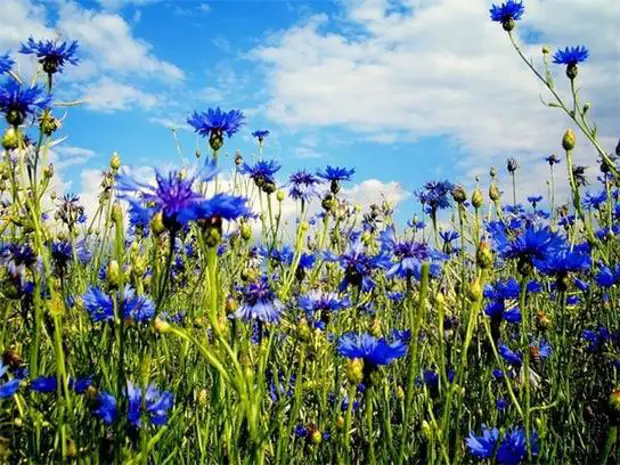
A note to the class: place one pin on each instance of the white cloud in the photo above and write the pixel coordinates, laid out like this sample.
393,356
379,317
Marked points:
109,95
69,155
440,68
109,39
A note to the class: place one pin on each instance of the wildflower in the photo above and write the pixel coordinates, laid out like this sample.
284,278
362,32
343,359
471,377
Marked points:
561,263
552,159
69,210
100,305
51,54
435,194
17,102
106,408
535,200
260,302
156,405
507,14
512,165
570,57
321,305
540,350
260,135
6,63
303,185
216,123
62,253
10,387
262,173
594,201
335,175
532,245
579,173
374,352
483,446
407,256
513,449
358,267
137,308
606,277
511,357
80,385
45,384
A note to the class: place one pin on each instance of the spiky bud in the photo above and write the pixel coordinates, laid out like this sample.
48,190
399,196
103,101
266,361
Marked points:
157,223
115,161
477,199
160,326
113,274
568,141
280,195
474,290
484,256
458,194
355,371
10,139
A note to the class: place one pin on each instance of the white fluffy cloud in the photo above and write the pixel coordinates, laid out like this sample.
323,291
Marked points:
441,68
109,95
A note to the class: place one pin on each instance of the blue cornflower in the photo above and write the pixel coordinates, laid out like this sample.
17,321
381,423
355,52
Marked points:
534,200
140,217
106,408
51,54
563,262
215,122
6,63
303,185
358,267
260,134
507,13
571,56
606,277
513,449
532,245
540,349
156,404
173,195
322,303
260,302
501,404
222,207
552,159
45,384
510,356
449,236
373,351
80,385
436,194
407,255
137,308
17,102
335,173
262,173
10,387
62,253
483,446
594,200
98,304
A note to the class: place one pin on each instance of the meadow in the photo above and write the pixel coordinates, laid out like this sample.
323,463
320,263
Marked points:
182,324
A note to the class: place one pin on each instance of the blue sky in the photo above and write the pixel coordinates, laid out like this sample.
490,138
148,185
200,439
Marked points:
404,91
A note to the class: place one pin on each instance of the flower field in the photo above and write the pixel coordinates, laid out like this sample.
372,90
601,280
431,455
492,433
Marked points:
179,324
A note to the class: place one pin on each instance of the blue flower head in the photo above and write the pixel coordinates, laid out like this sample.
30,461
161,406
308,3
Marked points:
552,159
571,56
260,135
513,448
335,175
436,195
483,446
303,185
10,387
18,102
215,123
6,63
52,54
373,351
507,13
106,408
156,405
262,173
260,303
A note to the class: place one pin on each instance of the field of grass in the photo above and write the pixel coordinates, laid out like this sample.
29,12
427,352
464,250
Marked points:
180,325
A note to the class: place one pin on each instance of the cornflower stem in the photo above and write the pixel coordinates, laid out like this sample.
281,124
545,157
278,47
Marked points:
416,319
577,197
549,84
166,275
514,189
347,424
552,192
370,395
472,318
525,323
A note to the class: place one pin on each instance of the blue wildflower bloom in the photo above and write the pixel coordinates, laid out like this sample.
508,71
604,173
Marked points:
373,351
80,385
44,384
358,267
260,134
606,277
483,446
335,173
563,262
216,123
571,56
17,102
510,356
173,195
137,308
10,387
140,217
106,408
534,200
507,11
449,236
51,54
322,303
222,207
260,303
62,253
498,374
407,255
501,404
303,185
262,173
436,194
594,201
532,245
552,159
6,63
156,405
513,448
98,304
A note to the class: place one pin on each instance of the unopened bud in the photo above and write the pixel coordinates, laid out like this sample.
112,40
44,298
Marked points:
10,139
484,256
400,394
246,231
115,161
614,400
117,213
339,423
113,274
474,291
458,194
476,198
157,223
546,50
280,195
355,371
303,330
160,326
568,141
316,437
494,193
